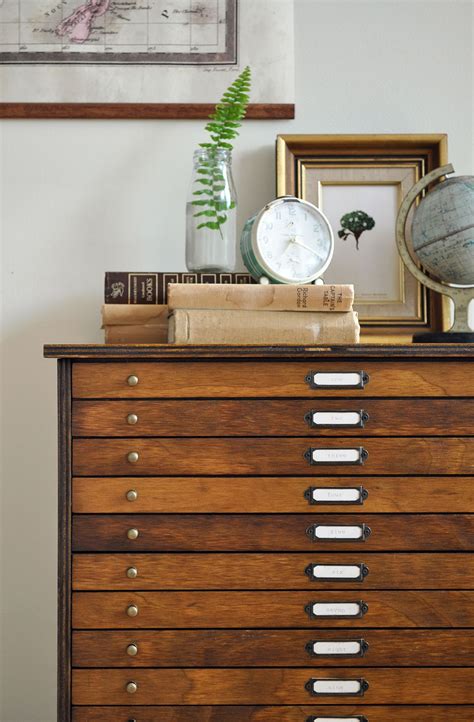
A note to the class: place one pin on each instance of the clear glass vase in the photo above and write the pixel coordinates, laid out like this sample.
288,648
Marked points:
211,220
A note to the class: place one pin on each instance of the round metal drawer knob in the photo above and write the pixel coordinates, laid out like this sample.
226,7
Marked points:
132,650
133,457
132,573
132,610
133,534
132,419
132,380
132,495
132,687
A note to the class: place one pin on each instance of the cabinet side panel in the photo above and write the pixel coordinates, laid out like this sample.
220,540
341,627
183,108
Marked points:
64,541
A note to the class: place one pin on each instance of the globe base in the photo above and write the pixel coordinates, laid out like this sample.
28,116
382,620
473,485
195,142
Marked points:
444,337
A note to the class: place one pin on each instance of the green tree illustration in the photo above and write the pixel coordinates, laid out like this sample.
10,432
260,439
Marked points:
223,127
354,224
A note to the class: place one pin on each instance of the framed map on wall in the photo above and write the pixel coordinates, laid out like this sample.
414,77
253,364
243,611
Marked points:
143,58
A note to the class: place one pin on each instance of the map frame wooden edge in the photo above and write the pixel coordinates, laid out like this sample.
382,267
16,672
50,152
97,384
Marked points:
136,111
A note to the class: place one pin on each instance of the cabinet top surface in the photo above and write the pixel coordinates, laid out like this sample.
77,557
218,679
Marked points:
168,351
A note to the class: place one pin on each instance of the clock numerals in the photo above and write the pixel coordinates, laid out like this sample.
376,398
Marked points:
268,226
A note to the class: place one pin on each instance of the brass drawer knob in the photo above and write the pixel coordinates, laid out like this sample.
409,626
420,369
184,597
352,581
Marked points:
133,534
132,380
132,573
132,650
132,419
133,457
132,610
132,495
132,687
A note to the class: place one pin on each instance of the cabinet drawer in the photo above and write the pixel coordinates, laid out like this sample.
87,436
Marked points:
313,713
273,571
194,610
277,494
205,379
264,417
266,648
108,457
269,686
272,532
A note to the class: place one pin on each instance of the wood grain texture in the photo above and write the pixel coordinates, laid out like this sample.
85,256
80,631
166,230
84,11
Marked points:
269,686
217,379
64,542
407,417
419,713
218,351
109,457
270,532
266,648
269,571
137,111
269,494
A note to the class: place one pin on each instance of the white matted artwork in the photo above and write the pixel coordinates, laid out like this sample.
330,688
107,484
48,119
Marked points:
361,204
156,52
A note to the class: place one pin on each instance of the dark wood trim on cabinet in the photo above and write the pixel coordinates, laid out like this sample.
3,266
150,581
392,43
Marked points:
64,541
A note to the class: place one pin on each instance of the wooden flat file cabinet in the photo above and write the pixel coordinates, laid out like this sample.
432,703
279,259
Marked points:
266,534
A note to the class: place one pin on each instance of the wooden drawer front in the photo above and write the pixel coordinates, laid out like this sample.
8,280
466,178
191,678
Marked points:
194,610
270,571
269,686
325,417
364,712
207,379
263,495
265,648
269,456
273,532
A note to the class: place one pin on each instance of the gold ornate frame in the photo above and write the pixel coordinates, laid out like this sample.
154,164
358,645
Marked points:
297,154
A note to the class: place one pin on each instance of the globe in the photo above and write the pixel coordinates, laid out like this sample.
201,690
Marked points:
443,231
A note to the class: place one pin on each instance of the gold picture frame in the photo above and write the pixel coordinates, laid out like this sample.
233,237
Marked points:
337,171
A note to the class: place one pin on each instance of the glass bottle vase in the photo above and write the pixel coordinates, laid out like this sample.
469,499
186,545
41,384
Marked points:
211,220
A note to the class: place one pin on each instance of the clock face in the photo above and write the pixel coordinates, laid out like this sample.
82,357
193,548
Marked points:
294,240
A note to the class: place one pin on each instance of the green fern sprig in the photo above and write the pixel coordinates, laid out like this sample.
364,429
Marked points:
223,128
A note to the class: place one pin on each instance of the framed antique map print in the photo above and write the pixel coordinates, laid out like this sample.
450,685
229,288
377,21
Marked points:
359,183
130,58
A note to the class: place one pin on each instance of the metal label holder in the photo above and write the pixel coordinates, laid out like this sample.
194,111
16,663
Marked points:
353,718
364,647
363,418
365,532
363,456
363,687
363,572
363,609
363,380
309,495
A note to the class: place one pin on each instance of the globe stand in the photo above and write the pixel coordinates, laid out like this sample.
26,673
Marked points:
460,331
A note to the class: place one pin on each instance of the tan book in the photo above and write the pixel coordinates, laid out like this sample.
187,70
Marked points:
188,326
271,297
136,334
125,315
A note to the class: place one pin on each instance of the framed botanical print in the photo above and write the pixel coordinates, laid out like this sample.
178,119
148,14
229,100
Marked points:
359,183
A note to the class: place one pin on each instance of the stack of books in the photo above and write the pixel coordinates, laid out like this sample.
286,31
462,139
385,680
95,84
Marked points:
190,308
262,314
135,308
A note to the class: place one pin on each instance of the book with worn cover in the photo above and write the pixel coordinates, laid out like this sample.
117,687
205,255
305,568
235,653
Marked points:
135,324
123,287
271,297
198,326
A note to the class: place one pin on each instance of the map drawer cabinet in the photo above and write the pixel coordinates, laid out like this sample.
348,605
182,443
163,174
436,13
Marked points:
252,534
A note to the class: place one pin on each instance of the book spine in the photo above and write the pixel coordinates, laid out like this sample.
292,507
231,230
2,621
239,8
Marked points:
152,288
197,326
303,298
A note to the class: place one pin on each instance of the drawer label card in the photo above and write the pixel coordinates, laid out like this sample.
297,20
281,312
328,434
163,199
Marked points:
355,687
337,572
337,609
355,455
342,532
337,418
337,379
337,648
336,495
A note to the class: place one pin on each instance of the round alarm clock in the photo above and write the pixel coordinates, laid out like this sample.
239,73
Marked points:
289,241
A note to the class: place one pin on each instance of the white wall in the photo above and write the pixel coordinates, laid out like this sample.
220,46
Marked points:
82,197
